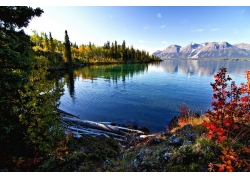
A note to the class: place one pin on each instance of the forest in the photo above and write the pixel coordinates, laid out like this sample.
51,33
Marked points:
67,53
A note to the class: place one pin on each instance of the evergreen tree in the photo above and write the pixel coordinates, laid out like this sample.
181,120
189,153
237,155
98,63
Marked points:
52,48
67,50
123,46
115,51
90,45
27,101
46,43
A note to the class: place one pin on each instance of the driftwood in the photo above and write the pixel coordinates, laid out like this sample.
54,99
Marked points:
78,127
94,131
90,124
100,126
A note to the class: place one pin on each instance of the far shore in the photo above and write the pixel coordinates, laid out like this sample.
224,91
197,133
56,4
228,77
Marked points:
234,59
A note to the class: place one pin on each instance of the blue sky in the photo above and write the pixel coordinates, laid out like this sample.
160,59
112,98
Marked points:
148,27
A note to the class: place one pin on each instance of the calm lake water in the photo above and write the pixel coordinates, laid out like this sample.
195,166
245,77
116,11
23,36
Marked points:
143,94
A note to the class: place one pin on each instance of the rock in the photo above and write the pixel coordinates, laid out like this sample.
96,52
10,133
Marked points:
191,136
144,129
135,163
107,162
167,155
186,143
154,141
141,155
172,137
187,127
176,142
173,123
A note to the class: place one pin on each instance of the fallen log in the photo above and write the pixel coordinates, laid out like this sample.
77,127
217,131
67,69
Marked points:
79,127
90,124
73,129
65,113
96,125
149,135
130,130
94,131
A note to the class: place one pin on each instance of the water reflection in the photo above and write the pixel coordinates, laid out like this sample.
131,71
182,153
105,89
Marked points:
70,82
111,72
204,67
142,94
114,72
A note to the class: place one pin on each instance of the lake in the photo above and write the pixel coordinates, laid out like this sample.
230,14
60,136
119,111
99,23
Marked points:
143,94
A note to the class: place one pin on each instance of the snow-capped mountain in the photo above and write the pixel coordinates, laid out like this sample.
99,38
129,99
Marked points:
242,46
206,50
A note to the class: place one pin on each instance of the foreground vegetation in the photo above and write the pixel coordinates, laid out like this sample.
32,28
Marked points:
32,138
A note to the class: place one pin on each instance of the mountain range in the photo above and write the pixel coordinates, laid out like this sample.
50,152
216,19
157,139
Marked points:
206,50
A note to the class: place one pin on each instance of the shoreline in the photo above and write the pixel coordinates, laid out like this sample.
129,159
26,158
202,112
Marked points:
64,67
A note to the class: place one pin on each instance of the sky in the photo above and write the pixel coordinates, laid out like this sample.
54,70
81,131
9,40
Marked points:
145,26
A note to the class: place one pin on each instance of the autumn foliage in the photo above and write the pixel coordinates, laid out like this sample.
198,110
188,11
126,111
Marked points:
229,122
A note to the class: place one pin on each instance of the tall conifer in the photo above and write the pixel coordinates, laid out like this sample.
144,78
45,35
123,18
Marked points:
52,48
67,51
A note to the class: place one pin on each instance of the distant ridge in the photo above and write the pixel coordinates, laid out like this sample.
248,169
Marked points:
206,50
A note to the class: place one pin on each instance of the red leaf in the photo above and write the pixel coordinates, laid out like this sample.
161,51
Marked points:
222,168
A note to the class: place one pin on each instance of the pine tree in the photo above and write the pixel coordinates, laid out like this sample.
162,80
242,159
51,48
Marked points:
52,48
115,51
67,50
46,42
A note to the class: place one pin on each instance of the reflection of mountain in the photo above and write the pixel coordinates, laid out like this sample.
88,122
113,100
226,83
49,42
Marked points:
204,67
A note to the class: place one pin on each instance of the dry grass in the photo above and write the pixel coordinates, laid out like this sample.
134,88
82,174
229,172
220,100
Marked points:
192,120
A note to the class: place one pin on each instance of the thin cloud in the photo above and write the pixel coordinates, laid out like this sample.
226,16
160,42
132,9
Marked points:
159,15
243,11
198,30
145,28
111,17
142,41
164,42
215,29
163,26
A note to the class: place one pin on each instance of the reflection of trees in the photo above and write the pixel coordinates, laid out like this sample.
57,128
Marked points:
66,77
69,80
111,72
108,72
203,67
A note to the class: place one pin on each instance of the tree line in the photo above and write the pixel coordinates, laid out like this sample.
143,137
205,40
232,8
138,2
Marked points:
59,52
